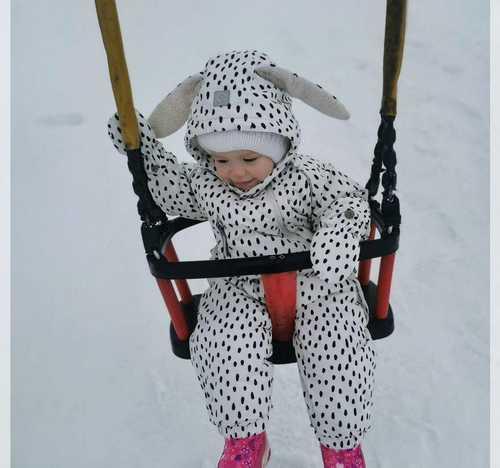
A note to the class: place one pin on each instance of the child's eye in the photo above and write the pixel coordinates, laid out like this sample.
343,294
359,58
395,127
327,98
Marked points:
249,159
220,161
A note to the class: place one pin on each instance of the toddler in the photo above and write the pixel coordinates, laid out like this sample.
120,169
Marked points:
262,197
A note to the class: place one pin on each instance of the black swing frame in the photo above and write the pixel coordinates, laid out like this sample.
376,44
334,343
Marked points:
157,237
157,231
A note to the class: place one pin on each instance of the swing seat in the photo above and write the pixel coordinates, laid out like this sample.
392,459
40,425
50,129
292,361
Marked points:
278,274
283,351
157,231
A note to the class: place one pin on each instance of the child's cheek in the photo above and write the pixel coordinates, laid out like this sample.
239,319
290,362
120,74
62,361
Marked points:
221,173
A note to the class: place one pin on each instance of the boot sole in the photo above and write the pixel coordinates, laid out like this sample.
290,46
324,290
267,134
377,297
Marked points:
266,457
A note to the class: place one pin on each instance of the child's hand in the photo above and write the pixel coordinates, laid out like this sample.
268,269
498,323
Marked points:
114,131
335,246
334,257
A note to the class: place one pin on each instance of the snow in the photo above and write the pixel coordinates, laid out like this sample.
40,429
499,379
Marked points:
5,284
94,382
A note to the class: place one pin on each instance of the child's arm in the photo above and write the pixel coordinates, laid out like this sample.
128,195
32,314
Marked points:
168,180
341,218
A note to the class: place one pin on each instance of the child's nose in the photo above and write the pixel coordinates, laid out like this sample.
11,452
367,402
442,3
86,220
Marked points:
237,171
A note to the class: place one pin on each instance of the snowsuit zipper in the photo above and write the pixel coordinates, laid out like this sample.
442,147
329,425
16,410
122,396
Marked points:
220,228
271,198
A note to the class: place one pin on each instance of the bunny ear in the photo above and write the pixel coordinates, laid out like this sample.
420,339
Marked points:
312,94
172,113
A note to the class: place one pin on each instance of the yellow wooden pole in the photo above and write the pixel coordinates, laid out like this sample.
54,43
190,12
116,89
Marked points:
395,26
118,73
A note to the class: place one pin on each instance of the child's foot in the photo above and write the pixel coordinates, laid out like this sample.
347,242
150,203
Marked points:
352,458
250,452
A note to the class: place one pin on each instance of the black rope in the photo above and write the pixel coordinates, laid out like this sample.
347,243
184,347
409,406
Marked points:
150,213
374,180
389,177
384,161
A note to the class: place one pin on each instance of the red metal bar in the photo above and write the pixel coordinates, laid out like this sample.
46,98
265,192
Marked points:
365,265
384,285
280,291
174,308
182,284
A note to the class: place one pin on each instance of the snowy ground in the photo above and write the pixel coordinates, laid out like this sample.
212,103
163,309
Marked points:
94,382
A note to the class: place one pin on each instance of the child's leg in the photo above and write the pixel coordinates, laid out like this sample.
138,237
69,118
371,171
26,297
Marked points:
229,347
336,365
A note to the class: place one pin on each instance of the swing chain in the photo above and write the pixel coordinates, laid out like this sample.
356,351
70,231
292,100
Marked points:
150,213
384,161
389,178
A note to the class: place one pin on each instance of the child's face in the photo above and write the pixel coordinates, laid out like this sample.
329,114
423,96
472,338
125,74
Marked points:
243,169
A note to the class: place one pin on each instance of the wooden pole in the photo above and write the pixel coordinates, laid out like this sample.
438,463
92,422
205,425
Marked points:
118,73
395,27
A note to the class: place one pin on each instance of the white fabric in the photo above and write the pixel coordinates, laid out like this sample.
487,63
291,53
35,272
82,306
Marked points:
271,145
304,204
311,94
173,111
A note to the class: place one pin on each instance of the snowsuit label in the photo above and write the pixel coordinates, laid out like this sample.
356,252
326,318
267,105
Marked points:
221,98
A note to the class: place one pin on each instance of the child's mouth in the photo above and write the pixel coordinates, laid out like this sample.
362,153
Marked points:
245,185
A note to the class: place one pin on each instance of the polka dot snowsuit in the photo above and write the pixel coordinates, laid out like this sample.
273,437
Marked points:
304,204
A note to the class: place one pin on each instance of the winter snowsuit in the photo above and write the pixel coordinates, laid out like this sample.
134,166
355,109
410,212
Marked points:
304,204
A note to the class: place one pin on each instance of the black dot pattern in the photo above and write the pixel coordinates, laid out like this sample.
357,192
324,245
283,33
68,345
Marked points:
229,348
168,180
304,204
336,363
255,103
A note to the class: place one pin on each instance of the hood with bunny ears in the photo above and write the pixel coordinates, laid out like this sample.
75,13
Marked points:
240,90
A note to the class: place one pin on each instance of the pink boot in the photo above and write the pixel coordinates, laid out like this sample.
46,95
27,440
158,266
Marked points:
250,452
352,458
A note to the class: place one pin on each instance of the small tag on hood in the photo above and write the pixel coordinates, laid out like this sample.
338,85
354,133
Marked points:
221,98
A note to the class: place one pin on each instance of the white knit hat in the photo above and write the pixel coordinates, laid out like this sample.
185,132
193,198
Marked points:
268,144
